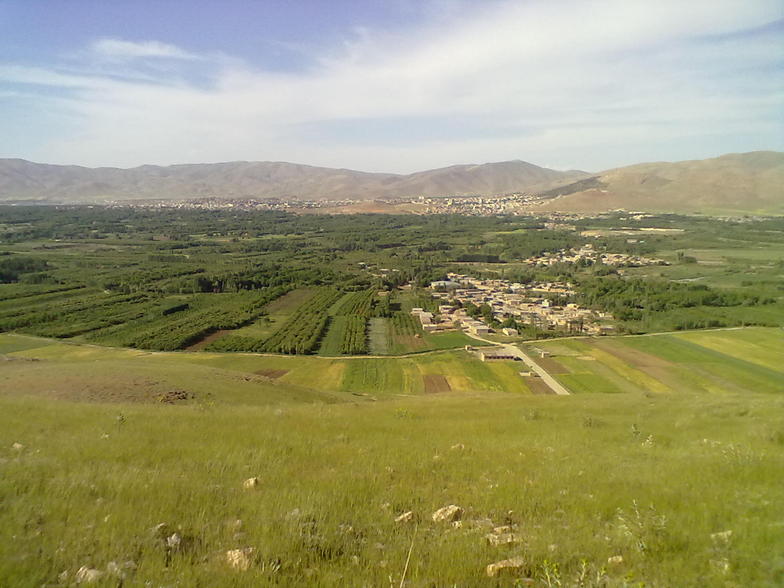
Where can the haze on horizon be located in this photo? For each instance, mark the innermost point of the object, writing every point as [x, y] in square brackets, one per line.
[393, 86]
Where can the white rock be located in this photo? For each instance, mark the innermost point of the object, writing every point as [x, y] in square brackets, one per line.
[85, 575]
[457, 524]
[723, 537]
[240, 559]
[498, 539]
[17, 447]
[448, 514]
[615, 560]
[406, 517]
[457, 447]
[503, 529]
[251, 483]
[511, 565]
[174, 541]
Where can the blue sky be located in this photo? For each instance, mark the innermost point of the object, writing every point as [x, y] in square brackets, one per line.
[394, 85]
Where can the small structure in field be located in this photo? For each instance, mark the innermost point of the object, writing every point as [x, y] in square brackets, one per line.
[490, 355]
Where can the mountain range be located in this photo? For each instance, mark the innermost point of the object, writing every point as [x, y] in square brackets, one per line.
[20, 179]
[749, 182]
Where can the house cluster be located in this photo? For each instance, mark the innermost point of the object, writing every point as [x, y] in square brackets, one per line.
[588, 254]
[527, 303]
[512, 204]
[245, 204]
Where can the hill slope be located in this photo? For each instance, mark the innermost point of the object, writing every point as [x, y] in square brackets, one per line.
[20, 179]
[746, 182]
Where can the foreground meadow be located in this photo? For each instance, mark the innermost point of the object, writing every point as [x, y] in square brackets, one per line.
[645, 487]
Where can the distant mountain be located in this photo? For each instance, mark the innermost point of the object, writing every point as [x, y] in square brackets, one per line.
[746, 182]
[24, 180]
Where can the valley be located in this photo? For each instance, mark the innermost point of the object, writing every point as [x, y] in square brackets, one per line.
[234, 397]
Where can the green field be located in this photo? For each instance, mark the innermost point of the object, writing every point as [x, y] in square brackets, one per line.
[707, 361]
[650, 473]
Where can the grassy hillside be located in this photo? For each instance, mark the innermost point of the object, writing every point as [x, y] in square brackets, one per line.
[662, 484]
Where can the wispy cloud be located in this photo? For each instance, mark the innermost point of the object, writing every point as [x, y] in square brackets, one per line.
[121, 50]
[569, 83]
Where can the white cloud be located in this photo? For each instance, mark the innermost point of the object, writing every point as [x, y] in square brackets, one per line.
[120, 50]
[581, 78]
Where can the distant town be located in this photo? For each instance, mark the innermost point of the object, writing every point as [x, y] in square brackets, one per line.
[476, 205]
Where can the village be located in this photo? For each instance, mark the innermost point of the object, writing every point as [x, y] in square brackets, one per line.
[529, 304]
[588, 255]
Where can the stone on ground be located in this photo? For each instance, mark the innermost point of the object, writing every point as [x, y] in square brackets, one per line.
[85, 575]
[251, 483]
[240, 559]
[448, 514]
[406, 517]
[505, 566]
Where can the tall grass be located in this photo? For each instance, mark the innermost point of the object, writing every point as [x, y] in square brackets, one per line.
[582, 479]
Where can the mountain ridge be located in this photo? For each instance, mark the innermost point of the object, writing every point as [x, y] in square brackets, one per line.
[21, 179]
[744, 182]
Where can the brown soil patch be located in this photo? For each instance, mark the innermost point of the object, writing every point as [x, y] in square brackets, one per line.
[72, 385]
[550, 365]
[436, 383]
[273, 374]
[537, 386]
[199, 345]
[175, 397]
[638, 359]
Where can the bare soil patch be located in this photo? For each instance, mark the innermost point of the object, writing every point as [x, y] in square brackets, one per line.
[272, 374]
[537, 386]
[638, 359]
[435, 384]
[199, 345]
[550, 365]
[84, 387]
[175, 397]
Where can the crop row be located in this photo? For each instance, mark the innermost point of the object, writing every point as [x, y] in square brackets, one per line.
[354, 336]
[357, 304]
[39, 319]
[224, 311]
[404, 324]
[12, 306]
[301, 333]
[17, 291]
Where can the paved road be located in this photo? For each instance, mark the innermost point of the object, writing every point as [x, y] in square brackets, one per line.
[554, 385]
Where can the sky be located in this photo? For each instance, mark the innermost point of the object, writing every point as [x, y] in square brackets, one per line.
[389, 85]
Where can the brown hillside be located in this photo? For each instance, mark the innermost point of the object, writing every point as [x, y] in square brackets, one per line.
[747, 182]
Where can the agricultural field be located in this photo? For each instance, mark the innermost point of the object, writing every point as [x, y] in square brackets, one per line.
[181, 279]
[700, 361]
[662, 482]
[276, 313]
